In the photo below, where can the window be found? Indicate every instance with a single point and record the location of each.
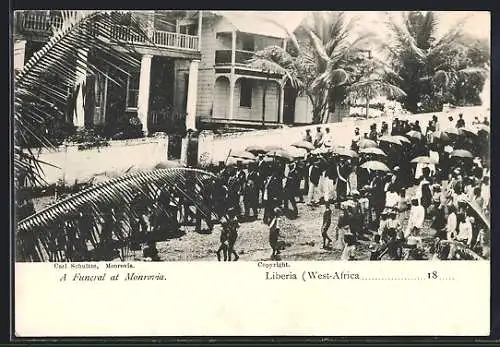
(248, 43)
(189, 29)
(246, 93)
(132, 91)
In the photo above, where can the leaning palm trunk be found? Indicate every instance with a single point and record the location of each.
(77, 227)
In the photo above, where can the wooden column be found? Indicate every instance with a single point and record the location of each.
(144, 85)
(232, 77)
(192, 95)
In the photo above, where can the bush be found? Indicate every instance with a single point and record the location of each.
(127, 127)
(87, 138)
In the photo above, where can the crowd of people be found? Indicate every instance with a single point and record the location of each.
(444, 166)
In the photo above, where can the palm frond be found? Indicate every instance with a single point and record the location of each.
(46, 232)
(319, 49)
(47, 83)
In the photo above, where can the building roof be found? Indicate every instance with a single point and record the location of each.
(254, 23)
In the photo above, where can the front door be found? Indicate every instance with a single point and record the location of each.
(290, 94)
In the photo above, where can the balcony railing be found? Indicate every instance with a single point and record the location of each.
(44, 24)
(223, 57)
(158, 38)
(40, 22)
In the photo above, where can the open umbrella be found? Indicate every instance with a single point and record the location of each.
(390, 139)
(231, 161)
(441, 135)
(273, 148)
(461, 153)
(280, 154)
(367, 143)
(401, 138)
(373, 150)
(243, 154)
(467, 131)
(321, 150)
(375, 166)
(423, 160)
(296, 152)
(343, 152)
(256, 150)
(477, 209)
(414, 134)
(483, 128)
(303, 144)
(451, 131)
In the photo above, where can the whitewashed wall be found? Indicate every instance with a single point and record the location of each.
(113, 160)
(213, 148)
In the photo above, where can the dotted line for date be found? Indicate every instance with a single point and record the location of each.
(406, 279)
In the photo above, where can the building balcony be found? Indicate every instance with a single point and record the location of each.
(43, 25)
(223, 57)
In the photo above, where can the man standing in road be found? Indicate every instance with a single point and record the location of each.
(318, 138)
(460, 121)
(327, 138)
(308, 137)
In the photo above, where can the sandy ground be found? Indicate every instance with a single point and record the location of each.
(302, 234)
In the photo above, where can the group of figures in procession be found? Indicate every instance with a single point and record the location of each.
(446, 169)
(382, 191)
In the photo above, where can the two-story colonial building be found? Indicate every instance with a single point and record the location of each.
(193, 72)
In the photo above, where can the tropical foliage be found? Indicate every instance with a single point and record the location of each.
(46, 88)
(95, 223)
(370, 79)
(429, 66)
(321, 60)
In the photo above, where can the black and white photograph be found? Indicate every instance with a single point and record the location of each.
(251, 136)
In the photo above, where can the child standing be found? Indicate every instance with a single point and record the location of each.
(274, 232)
(233, 226)
(327, 221)
(224, 240)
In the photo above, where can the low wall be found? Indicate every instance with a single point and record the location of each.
(74, 165)
(216, 147)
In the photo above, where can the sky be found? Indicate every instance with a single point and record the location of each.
(477, 24)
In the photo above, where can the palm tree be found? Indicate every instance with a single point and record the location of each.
(44, 90)
(429, 66)
(372, 80)
(321, 58)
